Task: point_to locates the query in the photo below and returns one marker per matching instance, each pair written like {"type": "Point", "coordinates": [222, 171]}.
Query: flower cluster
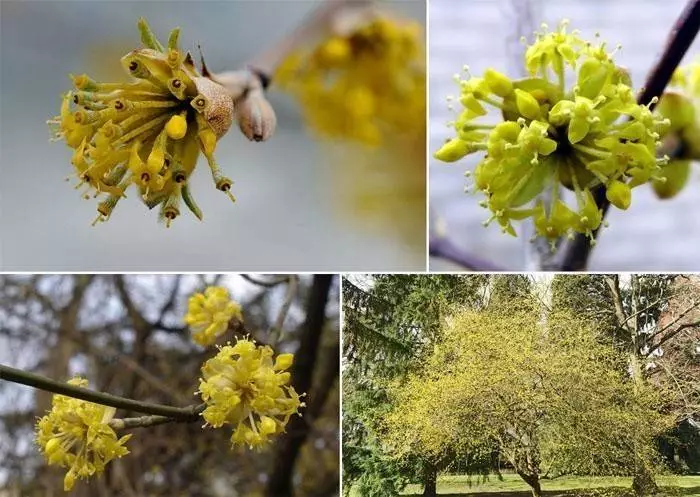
{"type": "Point", "coordinates": [209, 314]}
{"type": "Point", "coordinates": [148, 132]}
{"type": "Point", "coordinates": [361, 84]}
{"type": "Point", "coordinates": [243, 387]}
{"type": "Point", "coordinates": [361, 87]}
{"type": "Point", "coordinates": [76, 435]}
{"type": "Point", "coordinates": [681, 105]}
{"type": "Point", "coordinates": [591, 135]}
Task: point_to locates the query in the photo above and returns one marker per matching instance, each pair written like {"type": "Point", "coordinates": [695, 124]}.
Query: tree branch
{"type": "Point", "coordinates": [292, 287]}
{"type": "Point", "coordinates": [147, 421]}
{"type": "Point", "coordinates": [131, 364]}
{"type": "Point", "coordinates": [672, 334]}
{"type": "Point", "coordinates": [8, 373]}
{"type": "Point", "coordinates": [280, 482]}
{"type": "Point", "coordinates": [577, 252]}
{"type": "Point", "coordinates": [445, 249]}
{"type": "Point", "coordinates": [679, 317]}
{"type": "Point", "coordinates": [264, 283]}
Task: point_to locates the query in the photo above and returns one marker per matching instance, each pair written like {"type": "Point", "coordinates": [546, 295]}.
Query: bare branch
{"type": "Point", "coordinates": [148, 421]}
{"type": "Point", "coordinates": [264, 283]}
{"type": "Point", "coordinates": [8, 373]}
{"type": "Point", "coordinates": [445, 249]}
{"type": "Point", "coordinates": [292, 288]}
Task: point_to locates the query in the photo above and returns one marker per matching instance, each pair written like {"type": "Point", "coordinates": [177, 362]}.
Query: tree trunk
{"type": "Point", "coordinates": [534, 482]}
{"type": "Point", "coordinates": [643, 483]}
{"type": "Point", "coordinates": [430, 482]}
{"type": "Point", "coordinates": [288, 447]}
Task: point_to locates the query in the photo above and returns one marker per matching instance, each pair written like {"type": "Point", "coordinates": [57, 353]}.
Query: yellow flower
{"type": "Point", "coordinates": [209, 313]}
{"type": "Point", "coordinates": [363, 85]}
{"type": "Point", "coordinates": [244, 388]}
{"type": "Point", "coordinates": [591, 135]}
{"type": "Point", "coordinates": [148, 132]}
{"type": "Point", "coordinates": [681, 105]}
{"type": "Point", "coordinates": [76, 435]}
{"type": "Point", "coordinates": [367, 87]}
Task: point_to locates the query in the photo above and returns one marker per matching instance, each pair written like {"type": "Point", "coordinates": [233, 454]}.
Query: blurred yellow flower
{"type": "Point", "coordinates": [209, 314]}
{"type": "Point", "coordinates": [243, 387]}
{"type": "Point", "coordinates": [363, 85]}
{"type": "Point", "coordinates": [148, 132]}
{"type": "Point", "coordinates": [680, 103]}
{"type": "Point", "coordinates": [76, 435]}
{"type": "Point", "coordinates": [366, 87]}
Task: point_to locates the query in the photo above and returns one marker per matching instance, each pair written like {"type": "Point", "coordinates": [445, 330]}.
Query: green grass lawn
{"type": "Point", "coordinates": [513, 486]}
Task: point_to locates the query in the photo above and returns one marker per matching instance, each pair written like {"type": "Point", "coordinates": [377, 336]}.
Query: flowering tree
{"type": "Point", "coordinates": [545, 395]}
{"type": "Point", "coordinates": [653, 321]}
{"type": "Point", "coordinates": [391, 321]}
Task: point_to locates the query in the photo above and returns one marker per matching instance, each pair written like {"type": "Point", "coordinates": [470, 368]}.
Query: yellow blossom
{"type": "Point", "coordinates": [76, 435]}
{"type": "Point", "coordinates": [364, 91]}
{"type": "Point", "coordinates": [681, 105]}
{"type": "Point", "coordinates": [148, 132]}
{"type": "Point", "coordinates": [209, 313]}
{"type": "Point", "coordinates": [362, 85]}
{"type": "Point", "coordinates": [243, 387]}
{"type": "Point", "coordinates": [592, 135]}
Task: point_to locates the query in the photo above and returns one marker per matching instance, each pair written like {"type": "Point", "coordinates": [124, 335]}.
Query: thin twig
{"type": "Point", "coordinates": [292, 287]}
{"type": "Point", "coordinates": [8, 373]}
{"type": "Point", "coordinates": [147, 421]}
{"type": "Point", "coordinates": [264, 283]}
{"type": "Point", "coordinates": [578, 251]}
{"type": "Point", "coordinates": [129, 363]}
{"type": "Point", "coordinates": [443, 248]}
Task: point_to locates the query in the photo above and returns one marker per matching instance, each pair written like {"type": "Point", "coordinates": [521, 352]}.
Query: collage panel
{"type": "Point", "coordinates": [553, 117]}
{"type": "Point", "coordinates": [504, 303]}
{"type": "Point", "coordinates": [169, 385]}
{"type": "Point", "coordinates": [299, 145]}
{"type": "Point", "coordinates": [511, 385]}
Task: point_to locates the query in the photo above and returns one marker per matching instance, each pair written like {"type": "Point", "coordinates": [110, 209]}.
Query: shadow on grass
{"type": "Point", "coordinates": [599, 492]}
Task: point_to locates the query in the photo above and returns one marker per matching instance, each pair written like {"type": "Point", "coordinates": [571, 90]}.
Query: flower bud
{"type": "Point", "coordinates": [675, 174]}
{"type": "Point", "coordinates": [68, 481]}
{"type": "Point", "coordinates": [619, 194]}
{"type": "Point", "coordinates": [335, 51]}
{"type": "Point", "coordinates": [499, 83]}
{"type": "Point", "coordinates": [678, 109]}
{"type": "Point", "coordinates": [176, 127]}
{"type": "Point", "coordinates": [283, 361]}
{"type": "Point", "coordinates": [256, 117]}
{"type": "Point", "coordinates": [453, 150]}
{"type": "Point", "coordinates": [52, 445]}
{"type": "Point", "coordinates": [527, 104]}
{"type": "Point", "coordinates": [267, 425]}
{"type": "Point", "coordinates": [592, 75]}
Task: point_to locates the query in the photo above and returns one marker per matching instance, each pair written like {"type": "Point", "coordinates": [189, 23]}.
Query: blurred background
{"type": "Point", "coordinates": [653, 234]}
{"type": "Point", "coordinates": [295, 211]}
{"type": "Point", "coordinates": [125, 335]}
